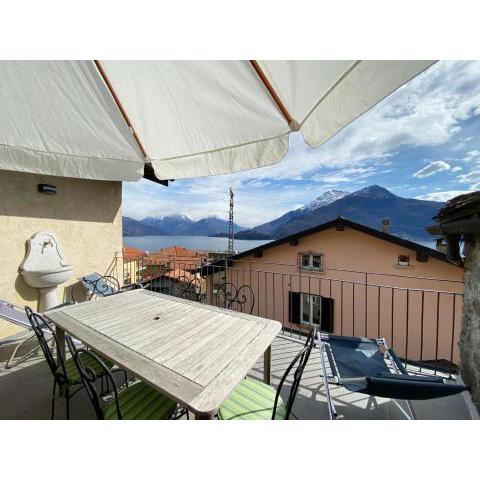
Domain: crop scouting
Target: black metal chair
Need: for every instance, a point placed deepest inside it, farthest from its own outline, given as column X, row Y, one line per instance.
column 137, row 401
column 64, row 371
column 255, row 400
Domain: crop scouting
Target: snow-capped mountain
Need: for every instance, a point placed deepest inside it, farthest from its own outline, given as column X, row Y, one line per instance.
column 177, row 225
column 324, row 199
column 368, row 206
column 267, row 230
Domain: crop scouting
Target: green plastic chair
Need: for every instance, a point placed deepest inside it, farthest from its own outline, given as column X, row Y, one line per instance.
column 137, row 401
column 64, row 371
column 255, row 400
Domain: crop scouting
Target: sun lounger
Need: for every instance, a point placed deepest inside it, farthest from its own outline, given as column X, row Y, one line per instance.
column 17, row 316
column 369, row 366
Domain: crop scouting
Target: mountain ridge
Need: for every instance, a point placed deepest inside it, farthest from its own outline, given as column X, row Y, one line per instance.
column 369, row 205
column 176, row 224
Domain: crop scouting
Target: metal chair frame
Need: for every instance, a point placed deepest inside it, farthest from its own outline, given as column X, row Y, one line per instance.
column 22, row 339
column 335, row 378
column 41, row 327
column 301, row 358
column 55, row 362
column 89, row 378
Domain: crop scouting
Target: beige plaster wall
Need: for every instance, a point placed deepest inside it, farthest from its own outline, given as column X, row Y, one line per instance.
column 85, row 214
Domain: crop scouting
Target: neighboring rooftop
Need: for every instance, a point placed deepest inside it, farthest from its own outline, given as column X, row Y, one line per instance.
column 339, row 223
column 461, row 206
column 131, row 253
column 180, row 252
column 182, row 275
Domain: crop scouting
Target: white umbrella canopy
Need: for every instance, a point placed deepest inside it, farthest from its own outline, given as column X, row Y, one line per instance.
column 106, row 120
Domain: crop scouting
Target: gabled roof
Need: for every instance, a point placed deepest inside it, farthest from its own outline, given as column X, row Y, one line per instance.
column 132, row 253
column 343, row 222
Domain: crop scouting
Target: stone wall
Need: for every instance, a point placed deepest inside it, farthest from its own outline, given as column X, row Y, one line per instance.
column 470, row 336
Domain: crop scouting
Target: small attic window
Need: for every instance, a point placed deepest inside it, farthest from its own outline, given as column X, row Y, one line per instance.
column 310, row 261
column 403, row 261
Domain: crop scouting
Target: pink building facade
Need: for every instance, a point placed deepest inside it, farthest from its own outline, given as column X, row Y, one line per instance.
column 353, row 280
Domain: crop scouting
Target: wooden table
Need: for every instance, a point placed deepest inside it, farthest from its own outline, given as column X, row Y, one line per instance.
column 194, row 353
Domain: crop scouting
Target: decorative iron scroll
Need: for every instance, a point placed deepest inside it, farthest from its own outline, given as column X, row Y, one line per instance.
column 105, row 286
column 236, row 298
column 189, row 288
column 101, row 287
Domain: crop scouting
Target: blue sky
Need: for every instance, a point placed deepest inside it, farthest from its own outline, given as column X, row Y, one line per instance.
column 422, row 141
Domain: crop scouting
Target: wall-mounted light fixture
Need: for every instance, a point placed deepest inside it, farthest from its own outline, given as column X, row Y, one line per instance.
column 48, row 189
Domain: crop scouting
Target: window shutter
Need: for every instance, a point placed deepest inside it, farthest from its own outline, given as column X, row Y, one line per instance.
column 294, row 307
column 327, row 315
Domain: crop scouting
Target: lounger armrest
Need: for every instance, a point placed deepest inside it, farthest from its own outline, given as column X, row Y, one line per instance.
column 410, row 387
column 411, row 378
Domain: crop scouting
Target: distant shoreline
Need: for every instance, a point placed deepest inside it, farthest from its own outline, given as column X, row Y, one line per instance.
column 153, row 243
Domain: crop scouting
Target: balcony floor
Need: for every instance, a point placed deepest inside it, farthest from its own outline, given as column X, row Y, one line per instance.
column 25, row 393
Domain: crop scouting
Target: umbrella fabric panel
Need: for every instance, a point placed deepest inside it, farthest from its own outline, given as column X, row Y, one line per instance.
column 322, row 97
column 58, row 118
column 192, row 118
column 187, row 108
column 302, row 83
column 364, row 85
column 244, row 157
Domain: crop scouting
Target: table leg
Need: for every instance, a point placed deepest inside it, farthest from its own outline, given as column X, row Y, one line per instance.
column 267, row 365
column 60, row 334
column 204, row 416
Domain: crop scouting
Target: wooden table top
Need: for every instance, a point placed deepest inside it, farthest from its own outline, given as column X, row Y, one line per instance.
column 194, row 353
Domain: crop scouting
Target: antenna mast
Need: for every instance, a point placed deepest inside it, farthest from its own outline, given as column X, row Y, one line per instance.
column 230, row 250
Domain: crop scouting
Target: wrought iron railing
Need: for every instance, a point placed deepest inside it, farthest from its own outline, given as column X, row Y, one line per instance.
column 418, row 316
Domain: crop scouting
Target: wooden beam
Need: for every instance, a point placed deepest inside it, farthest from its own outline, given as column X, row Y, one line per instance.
column 103, row 74
column 290, row 120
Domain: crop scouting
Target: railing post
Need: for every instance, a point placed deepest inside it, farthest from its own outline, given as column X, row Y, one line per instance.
column 209, row 286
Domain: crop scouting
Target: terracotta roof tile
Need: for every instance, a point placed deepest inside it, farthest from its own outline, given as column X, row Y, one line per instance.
column 131, row 253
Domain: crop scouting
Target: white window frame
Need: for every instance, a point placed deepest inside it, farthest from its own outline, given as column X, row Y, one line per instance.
column 310, row 266
column 310, row 313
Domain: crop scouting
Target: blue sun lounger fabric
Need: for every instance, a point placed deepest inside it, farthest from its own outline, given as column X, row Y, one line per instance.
column 360, row 366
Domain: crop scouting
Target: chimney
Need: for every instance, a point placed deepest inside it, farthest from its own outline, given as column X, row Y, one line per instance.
column 441, row 245
column 386, row 225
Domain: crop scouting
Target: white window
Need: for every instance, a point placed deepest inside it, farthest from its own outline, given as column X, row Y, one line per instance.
column 310, row 309
column 311, row 261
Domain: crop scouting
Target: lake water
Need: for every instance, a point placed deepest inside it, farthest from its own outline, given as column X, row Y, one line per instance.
column 152, row 243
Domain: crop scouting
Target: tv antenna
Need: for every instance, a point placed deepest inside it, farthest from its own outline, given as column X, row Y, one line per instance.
column 230, row 250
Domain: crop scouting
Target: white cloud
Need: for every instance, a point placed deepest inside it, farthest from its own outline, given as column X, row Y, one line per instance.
column 441, row 196
column 457, row 169
column 471, row 155
column 472, row 178
column 426, row 112
column 431, row 169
